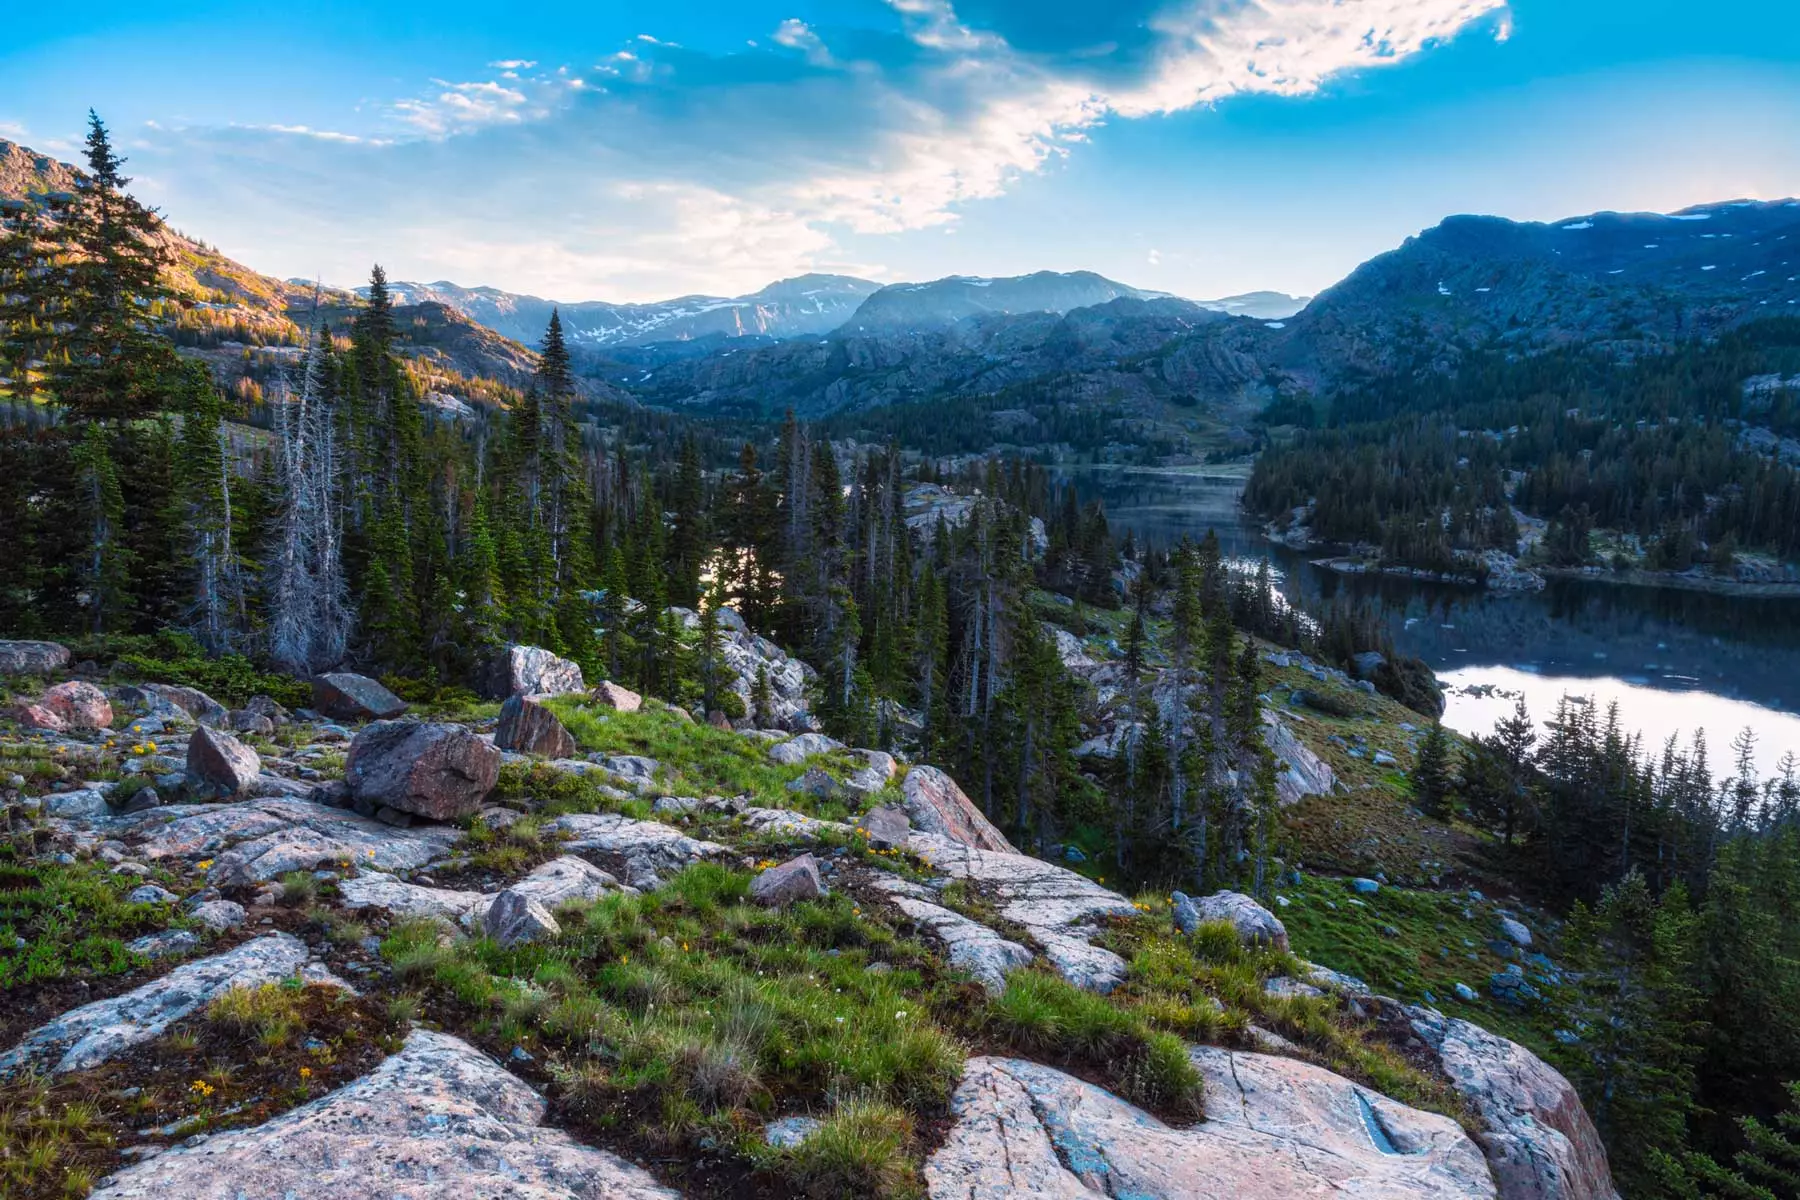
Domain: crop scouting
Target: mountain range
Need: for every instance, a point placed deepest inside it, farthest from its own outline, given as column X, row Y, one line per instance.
column 826, row 343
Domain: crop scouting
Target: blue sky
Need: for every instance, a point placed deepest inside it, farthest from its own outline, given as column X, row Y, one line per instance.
column 636, row 150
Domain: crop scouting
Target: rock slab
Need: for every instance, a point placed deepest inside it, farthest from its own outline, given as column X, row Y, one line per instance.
column 1538, row 1138
column 611, row 695
column 97, row 1032
column 1277, row 1129
column 32, row 658
column 438, row 1119
column 439, row 771
column 938, row 806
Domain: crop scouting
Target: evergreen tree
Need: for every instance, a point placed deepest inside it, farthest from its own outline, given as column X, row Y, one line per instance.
column 1434, row 775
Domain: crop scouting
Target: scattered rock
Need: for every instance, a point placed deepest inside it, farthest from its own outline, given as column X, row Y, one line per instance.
column 789, row 1132
column 255, row 841
column 1299, row 772
column 887, row 828
column 795, row 879
column 438, row 1119
column 36, row 716
column 439, row 771
column 877, row 772
column 1365, row 887
column 83, row 804
column 351, row 697
column 1276, row 1128
column 98, row 1032
column 938, row 806
column 513, row 919
column 242, row 720
column 219, row 914
column 817, row 783
column 797, row 750
column 162, row 945
column 1255, row 925
column 150, row 893
column 527, row 726
column 218, row 765
column 610, row 695
column 198, row 706
column 263, row 706
column 79, row 705
column 532, row 670
column 32, row 658
column 1515, row 932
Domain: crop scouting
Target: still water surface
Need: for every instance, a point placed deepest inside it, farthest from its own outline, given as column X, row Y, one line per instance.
column 1675, row 662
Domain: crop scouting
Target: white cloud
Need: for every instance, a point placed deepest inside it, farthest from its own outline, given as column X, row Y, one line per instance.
column 662, row 169
column 1154, row 258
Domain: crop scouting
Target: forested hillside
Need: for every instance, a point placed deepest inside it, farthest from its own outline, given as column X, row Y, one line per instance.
column 1681, row 457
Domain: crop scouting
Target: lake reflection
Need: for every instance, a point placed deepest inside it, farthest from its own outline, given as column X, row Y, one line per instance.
column 1675, row 661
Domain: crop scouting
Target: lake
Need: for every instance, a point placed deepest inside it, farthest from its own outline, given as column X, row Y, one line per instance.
column 1674, row 661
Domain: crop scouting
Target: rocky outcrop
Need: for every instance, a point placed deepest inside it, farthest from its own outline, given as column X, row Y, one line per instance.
column 1058, row 908
column 218, row 765
column 440, row 771
column 757, row 665
column 936, row 805
column 531, row 671
column 349, row 697
column 1538, row 1138
column 79, row 705
column 1276, row 1129
column 528, row 727
column 644, row 850
column 98, row 1032
column 969, row 945
column 1255, row 925
column 438, row 1119
column 1299, row 772
column 878, row 770
column 32, row 658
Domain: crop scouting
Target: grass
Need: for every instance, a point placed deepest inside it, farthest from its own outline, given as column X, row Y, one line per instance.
column 1208, row 987
column 73, row 920
column 1416, row 946
column 688, row 1017
column 698, row 760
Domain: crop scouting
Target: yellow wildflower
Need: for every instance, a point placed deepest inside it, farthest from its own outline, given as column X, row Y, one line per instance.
column 203, row 864
column 306, row 1072
column 201, row 1088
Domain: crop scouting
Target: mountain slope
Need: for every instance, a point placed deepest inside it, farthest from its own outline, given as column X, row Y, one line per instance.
column 806, row 304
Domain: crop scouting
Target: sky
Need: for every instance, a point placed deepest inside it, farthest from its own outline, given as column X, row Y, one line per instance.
column 626, row 150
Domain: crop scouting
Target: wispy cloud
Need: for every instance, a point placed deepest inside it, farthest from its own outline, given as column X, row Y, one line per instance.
column 660, row 169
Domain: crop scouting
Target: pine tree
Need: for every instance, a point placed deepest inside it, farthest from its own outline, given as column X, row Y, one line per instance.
column 1434, row 776
column 112, row 365
column 1636, row 955
column 1767, row 1168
